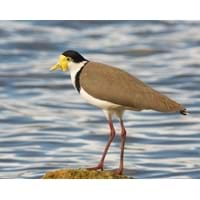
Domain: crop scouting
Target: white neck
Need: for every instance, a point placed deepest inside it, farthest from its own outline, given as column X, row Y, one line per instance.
column 74, row 68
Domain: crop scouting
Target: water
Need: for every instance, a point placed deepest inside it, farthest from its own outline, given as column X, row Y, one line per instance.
column 45, row 125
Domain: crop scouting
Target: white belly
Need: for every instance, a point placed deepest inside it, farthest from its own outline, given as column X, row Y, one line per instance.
column 105, row 105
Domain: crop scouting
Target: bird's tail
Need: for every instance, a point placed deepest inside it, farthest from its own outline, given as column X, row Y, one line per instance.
column 184, row 112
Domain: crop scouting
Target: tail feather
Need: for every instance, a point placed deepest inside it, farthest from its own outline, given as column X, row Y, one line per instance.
column 184, row 112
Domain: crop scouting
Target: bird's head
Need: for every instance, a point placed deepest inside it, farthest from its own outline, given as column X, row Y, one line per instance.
column 67, row 58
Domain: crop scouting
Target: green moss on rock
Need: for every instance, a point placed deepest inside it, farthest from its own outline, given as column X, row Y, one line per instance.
column 82, row 174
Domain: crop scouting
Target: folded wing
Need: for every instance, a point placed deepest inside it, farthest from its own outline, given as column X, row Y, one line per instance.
column 117, row 86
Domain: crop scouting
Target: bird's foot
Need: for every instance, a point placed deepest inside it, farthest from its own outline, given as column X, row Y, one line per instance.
column 118, row 171
column 100, row 166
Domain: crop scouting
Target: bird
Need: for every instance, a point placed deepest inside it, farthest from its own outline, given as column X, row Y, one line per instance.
column 114, row 91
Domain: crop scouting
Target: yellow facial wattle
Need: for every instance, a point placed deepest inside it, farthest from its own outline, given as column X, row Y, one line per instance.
column 62, row 64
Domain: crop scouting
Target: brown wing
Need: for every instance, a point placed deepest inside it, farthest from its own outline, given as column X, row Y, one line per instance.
column 117, row 86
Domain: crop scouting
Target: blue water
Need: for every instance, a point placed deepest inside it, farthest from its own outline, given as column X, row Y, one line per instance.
column 45, row 125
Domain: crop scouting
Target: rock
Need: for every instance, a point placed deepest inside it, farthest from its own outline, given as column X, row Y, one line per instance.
column 82, row 174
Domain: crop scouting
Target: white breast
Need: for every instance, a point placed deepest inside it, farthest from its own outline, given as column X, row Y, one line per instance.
column 74, row 68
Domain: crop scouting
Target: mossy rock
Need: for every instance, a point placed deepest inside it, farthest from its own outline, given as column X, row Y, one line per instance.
column 82, row 174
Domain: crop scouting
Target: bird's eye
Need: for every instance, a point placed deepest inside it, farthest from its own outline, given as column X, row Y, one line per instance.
column 68, row 59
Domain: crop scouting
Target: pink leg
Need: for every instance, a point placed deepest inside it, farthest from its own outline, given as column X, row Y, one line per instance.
column 123, row 140
column 111, row 137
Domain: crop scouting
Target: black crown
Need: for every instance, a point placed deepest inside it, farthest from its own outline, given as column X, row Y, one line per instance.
column 75, row 56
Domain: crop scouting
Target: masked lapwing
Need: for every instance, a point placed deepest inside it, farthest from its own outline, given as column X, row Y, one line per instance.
column 114, row 91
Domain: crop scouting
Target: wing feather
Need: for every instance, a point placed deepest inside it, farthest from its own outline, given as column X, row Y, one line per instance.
column 117, row 86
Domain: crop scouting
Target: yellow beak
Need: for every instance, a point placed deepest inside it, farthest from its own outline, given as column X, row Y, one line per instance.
column 62, row 64
column 56, row 67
